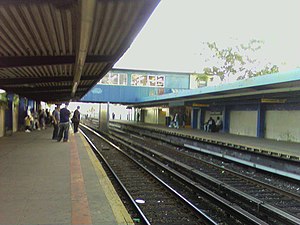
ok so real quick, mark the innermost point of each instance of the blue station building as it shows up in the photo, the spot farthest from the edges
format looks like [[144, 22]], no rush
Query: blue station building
[[265, 106]]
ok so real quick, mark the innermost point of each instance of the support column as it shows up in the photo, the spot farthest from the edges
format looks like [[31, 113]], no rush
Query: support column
[[107, 116], [201, 118], [9, 114], [194, 118], [22, 111], [99, 119], [226, 117], [261, 117]]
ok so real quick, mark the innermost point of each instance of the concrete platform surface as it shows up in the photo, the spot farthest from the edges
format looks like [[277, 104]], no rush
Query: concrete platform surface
[[48, 182]]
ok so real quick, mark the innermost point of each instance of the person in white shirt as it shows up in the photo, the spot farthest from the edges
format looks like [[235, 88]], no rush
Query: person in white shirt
[[218, 124]]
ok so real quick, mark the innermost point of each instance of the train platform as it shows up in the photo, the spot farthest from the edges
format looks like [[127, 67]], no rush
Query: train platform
[[43, 181], [282, 149]]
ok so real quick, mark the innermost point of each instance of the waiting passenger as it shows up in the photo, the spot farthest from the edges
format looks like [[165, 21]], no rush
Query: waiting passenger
[[183, 120], [209, 125], [27, 124], [219, 125], [76, 119], [64, 124], [36, 124], [55, 121], [174, 123], [42, 117]]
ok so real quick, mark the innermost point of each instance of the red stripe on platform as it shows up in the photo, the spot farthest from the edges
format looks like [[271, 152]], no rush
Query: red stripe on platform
[[80, 206]]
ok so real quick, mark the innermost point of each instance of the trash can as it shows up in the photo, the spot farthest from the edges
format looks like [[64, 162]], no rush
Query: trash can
[[168, 120]]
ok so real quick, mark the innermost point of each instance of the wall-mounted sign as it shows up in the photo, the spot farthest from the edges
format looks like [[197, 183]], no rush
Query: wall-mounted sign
[[173, 104], [200, 105], [271, 100]]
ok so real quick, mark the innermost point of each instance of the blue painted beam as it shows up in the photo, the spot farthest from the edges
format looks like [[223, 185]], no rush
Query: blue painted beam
[[261, 117]]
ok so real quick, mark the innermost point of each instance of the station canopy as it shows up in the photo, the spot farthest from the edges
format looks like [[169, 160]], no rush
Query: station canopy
[[57, 50]]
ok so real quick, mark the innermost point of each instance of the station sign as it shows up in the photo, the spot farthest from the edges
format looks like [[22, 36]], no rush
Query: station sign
[[272, 100], [200, 105], [173, 104]]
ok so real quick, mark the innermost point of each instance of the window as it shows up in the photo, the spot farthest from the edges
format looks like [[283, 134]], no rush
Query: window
[[147, 80], [114, 79], [138, 80], [160, 81], [122, 78], [152, 80]]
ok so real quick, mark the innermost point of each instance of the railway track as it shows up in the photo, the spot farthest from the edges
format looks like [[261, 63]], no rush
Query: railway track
[[203, 200], [155, 202], [271, 204], [241, 154]]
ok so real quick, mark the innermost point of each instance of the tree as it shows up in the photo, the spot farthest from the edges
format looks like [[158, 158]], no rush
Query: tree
[[201, 78], [237, 61]]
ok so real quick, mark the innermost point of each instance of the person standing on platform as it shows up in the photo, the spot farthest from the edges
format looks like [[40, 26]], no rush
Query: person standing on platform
[[176, 122], [218, 124], [64, 124], [76, 119], [55, 121], [27, 123], [183, 120]]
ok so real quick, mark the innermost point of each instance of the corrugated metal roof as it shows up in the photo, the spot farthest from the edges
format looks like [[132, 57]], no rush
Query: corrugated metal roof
[[55, 50]]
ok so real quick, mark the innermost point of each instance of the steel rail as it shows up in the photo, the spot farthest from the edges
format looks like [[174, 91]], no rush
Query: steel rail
[[279, 214], [239, 212], [146, 221], [205, 217]]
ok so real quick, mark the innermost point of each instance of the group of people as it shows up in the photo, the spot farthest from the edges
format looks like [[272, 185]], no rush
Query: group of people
[[60, 119], [213, 126], [37, 120], [61, 122]]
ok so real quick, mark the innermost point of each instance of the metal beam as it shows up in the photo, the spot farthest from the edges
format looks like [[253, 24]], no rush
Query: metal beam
[[19, 61], [34, 80], [47, 89], [87, 14], [59, 97]]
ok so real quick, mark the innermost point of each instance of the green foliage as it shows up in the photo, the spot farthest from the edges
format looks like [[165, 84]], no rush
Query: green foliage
[[201, 77], [238, 61], [3, 100], [3, 97]]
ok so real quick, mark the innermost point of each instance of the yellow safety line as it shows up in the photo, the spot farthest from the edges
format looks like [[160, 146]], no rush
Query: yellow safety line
[[121, 214]]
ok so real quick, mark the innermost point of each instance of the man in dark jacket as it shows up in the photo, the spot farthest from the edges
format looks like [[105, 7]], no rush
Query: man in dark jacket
[[76, 119], [64, 124]]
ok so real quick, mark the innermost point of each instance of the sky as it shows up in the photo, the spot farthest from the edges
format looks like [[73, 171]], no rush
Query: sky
[[173, 37]]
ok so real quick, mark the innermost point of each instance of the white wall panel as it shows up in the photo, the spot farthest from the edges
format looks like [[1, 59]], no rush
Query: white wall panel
[[150, 115], [243, 123], [283, 125]]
